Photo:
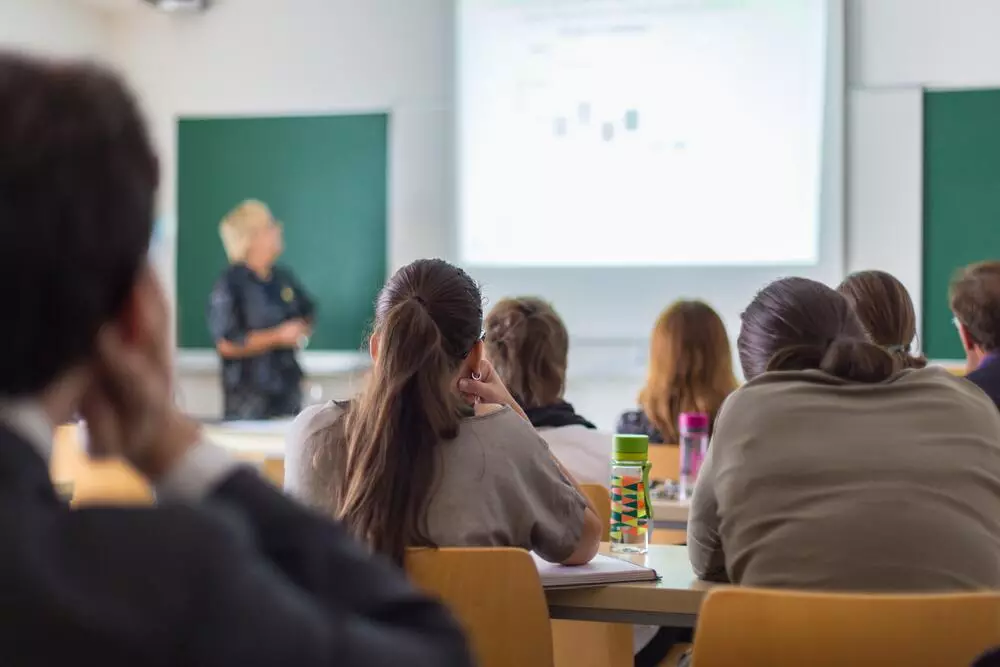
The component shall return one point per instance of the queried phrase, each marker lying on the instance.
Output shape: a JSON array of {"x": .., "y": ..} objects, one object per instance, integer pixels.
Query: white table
[
  {"x": 254, "y": 440},
  {"x": 672, "y": 601}
]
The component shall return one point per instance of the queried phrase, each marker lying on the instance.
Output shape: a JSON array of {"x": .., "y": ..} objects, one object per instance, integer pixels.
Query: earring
[{"x": 477, "y": 376}]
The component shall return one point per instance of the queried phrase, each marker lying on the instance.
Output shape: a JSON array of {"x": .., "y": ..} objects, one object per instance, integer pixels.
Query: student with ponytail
[
  {"x": 836, "y": 468},
  {"x": 886, "y": 312},
  {"x": 435, "y": 452}
]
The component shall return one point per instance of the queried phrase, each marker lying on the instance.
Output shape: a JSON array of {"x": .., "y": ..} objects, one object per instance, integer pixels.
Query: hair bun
[{"x": 858, "y": 360}]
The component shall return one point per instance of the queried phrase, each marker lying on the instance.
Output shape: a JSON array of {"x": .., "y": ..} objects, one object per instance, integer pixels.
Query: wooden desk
[
  {"x": 251, "y": 440},
  {"x": 260, "y": 443},
  {"x": 670, "y": 514},
  {"x": 672, "y": 601}
]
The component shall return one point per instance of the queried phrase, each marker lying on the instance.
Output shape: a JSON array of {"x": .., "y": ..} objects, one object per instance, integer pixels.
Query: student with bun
[
  {"x": 690, "y": 370},
  {"x": 435, "y": 451},
  {"x": 832, "y": 468},
  {"x": 528, "y": 345},
  {"x": 975, "y": 301},
  {"x": 884, "y": 307}
]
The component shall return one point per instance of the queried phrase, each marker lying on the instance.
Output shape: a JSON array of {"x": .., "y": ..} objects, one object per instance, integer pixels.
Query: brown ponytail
[
  {"x": 427, "y": 320},
  {"x": 885, "y": 309},
  {"x": 800, "y": 324}
]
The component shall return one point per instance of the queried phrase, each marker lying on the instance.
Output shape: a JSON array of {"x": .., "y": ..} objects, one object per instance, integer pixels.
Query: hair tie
[
  {"x": 419, "y": 299},
  {"x": 893, "y": 349}
]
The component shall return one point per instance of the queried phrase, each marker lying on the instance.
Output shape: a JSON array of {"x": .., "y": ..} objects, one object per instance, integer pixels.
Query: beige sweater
[{"x": 812, "y": 482}]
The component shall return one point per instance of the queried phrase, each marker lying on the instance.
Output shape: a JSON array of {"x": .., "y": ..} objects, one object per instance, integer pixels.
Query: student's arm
[
  {"x": 233, "y": 340},
  {"x": 547, "y": 509},
  {"x": 703, "y": 541},
  {"x": 590, "y": 535}
]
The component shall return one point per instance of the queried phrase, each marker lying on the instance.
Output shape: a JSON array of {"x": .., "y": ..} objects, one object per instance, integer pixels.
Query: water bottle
[
  {"x": 630, "y": 510},
  {"x": 693, "y": 429}
]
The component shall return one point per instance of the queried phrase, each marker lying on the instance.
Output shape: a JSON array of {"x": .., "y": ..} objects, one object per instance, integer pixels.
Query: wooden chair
[
  {"x": 88, "y": 481},
  {"x": 110, "y": 482},
  {"x": 496, "y": 596},
  {"x": 765, "y": 628},
  {"x": 587, "y": 644},
  {"x": 665, "y": 462}
]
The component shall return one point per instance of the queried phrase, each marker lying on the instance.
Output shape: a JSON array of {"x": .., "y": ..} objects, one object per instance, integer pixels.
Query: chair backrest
[
  {"x": 767, "y": 628},
  {"x": 665, "y": 462},
  {"x": 496, "y": 596},
  {"x": 601, "y": 499}
]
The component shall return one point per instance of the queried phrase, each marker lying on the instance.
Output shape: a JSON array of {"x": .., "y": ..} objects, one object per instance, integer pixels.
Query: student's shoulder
[
  {"x": 965, "y": 393},
  {"x": 635, "y": 422},
  {"x": 504, "y": 427},
  {"x": 315, "y": 418}
]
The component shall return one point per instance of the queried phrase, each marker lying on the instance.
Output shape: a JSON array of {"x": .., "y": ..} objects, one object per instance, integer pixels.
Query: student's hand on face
[
  {"x": 129, "y": 409},
  {"x": 488, "y": 388}
]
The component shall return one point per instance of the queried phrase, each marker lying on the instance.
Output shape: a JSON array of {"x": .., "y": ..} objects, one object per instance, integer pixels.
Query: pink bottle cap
[{"x": 693, "y": 422}]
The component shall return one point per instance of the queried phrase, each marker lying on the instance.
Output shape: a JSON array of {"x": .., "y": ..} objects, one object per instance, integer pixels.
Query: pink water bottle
[{"x": 693, "y": 429}]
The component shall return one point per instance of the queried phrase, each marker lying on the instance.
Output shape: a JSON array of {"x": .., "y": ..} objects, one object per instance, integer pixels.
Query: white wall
[
  {"x": 53, "y": 27},
  {"x": 896, "y": 49}
]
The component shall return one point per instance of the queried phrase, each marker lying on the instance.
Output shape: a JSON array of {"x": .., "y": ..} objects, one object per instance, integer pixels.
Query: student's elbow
[{"x": 590, "y": 540}]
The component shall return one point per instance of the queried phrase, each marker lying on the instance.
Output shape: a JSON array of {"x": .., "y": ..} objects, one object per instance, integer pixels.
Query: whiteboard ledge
[{"x": 313, "y": 363}]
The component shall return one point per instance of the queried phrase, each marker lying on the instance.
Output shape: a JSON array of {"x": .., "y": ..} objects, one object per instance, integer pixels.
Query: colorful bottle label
[{"x": 629, "y": 512}]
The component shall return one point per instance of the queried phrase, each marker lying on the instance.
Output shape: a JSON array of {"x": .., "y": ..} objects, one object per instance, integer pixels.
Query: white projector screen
[{"x": 641, "y": 133}]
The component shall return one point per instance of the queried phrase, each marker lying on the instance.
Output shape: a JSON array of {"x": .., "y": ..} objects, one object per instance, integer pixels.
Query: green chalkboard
[
  {"x": 961, "y": 201},
  {"x": 324, "y": 177}
]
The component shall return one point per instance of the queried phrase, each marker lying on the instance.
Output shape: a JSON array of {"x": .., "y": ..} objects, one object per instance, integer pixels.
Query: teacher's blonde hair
[{"x": 239, "y": 226}]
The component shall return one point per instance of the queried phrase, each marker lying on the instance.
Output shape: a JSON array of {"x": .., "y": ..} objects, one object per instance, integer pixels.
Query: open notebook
[{"x": 602, "y": 570}]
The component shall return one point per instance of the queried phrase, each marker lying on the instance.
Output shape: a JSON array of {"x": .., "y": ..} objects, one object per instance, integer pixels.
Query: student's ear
[
  {"x": 373, "y": 346},
  {"x": 145, "y": 317},
  {"x": 966, "y": 339}
]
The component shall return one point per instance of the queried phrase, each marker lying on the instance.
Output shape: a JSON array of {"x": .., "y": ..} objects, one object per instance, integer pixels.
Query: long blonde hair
[{"x": 690, "y": 366}]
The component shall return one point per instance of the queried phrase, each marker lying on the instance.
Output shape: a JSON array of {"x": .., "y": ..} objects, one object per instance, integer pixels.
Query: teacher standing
[{"x": 259, "y": 316}]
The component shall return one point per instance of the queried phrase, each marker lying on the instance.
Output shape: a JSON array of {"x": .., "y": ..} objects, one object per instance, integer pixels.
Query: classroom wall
[
  {"x": 54, "y": 27},
  {"x": 330, "y": 55},
  {"x": 896, "y": 49}
]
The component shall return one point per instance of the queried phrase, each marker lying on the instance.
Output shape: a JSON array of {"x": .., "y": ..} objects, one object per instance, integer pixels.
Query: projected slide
[{"x": 640, "y": 132}]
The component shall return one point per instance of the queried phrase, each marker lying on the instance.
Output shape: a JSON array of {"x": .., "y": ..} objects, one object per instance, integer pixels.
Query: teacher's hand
[{"x": 291, "y": 332}]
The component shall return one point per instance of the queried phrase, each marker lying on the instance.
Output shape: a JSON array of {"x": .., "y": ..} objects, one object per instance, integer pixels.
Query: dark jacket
[
  {"x": 987, "y": 378},
  {"x": 635, "y": 422},
  {"x": 246, "y": 578},
  {"x": 266, "y": 385}
]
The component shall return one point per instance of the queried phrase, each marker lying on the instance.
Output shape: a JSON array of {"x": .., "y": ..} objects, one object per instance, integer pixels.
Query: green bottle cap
[{"x": 631, "y": 447}]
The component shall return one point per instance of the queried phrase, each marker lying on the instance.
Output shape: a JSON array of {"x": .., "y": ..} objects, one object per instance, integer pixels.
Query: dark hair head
[
  {"x": 690, "y": 366},
  {"x": 800, "y": 324},
  {"x": 884, "y": 307},
  {"x": 428, "y": 318},
  {"x": 528, "y": 345},
  {"x": 974, "y": 297},
  {"x": 77, "y": 184}
]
